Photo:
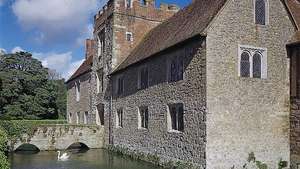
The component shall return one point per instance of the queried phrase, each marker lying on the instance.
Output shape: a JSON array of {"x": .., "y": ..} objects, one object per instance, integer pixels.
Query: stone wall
[
  {"x": 158, "y": 139},
  {"x": 247, "y": 114},
  {"x": 60, "y": 137},
  {"x": 115, "y": 20},
  {"x": 83, "y": 105},
  {"x": 295, "y": 132}
]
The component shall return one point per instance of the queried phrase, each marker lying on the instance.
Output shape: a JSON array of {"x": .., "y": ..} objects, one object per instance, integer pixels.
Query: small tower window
[
  {"x": 129, "y": 36},
  {"x": 260, "y": 12}
]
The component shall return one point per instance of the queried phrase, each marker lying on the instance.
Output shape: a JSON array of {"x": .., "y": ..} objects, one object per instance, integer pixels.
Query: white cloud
[
  {"x": 61, "y": 62},
  {"x": 17, "y": 49},
  {"x": 55, "y": 18},
  {"x": 85, "y": 34},
  {"x": 2, "y": 51}
]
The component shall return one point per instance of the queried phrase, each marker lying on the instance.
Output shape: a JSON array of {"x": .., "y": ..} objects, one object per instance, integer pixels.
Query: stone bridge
[{"x": 61, "y": 137}]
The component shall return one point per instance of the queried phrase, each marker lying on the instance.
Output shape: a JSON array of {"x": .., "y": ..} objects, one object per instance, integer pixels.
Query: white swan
[{"x": 63, "y": 157}]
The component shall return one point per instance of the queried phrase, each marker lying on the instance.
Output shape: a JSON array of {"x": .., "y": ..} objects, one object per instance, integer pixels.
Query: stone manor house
[{"x": 207, "y": 84}]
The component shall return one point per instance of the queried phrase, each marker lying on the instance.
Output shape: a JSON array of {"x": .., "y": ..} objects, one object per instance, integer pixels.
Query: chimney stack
[{"x": 89, "y": 48}]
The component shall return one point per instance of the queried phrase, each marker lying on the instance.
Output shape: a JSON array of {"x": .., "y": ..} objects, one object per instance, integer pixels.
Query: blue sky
[{"x": 52, "y": 30}]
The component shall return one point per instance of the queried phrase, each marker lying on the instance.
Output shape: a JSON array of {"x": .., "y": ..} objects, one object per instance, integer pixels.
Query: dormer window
[
  {"x": 261, "y": 12},
  {"x": 128, "y": 3}
]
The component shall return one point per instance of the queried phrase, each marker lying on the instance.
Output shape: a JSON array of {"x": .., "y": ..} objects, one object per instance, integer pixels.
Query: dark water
[{"x": 91, "y": 159}]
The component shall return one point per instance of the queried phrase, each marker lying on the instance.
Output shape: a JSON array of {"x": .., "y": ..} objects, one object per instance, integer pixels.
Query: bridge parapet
[{"x": 60, "y": 137}]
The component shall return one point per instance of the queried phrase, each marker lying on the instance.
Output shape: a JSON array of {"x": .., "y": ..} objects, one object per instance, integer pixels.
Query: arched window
[
  {"x": 260, "y": 12},
  {"x": 257, "y": 65},
  {"x": 245, "y": 64}
]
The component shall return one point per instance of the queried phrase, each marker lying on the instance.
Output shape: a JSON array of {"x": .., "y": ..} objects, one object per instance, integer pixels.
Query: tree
[{"x": 26, "y": 92}]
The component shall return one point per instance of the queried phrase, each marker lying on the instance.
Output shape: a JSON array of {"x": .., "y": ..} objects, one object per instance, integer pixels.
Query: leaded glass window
[
  {"x": 257, "y": 65},
  {"x": 260, "y": 12},
  {"x": 245, "y": 64}
]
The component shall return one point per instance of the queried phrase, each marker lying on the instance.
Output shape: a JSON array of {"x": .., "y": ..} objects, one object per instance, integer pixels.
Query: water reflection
[{"x": 83, "y": 159}]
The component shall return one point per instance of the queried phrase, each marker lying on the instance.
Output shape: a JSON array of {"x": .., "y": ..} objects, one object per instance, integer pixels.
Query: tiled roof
[
  {"x": 294, "y": 7},
  {"x": 85, "y": 67},
  {"x": 185, "y": 24}
]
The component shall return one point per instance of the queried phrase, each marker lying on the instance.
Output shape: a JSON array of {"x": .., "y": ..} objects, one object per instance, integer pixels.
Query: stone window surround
[
  {"x": 267, "y": 11},
  {"x": 169, "y": 120},
  {"x": 70, "y": 117},
  {"x": 120, "y": 120},
  {"x": 143, "y": 2},
  {"x": 101, "y": 42},
  {"x": 131, "y": 36},
  {"x": 77, "y": 90},
  {"x": 77, "y": 117},
  {"x": 140, "y": 125},
  {"x": 252, "y": 50},
  {"x": 99, "y": 80},
  {"x": 126, "y": 2},
  {"x": 85, "y": 117}
]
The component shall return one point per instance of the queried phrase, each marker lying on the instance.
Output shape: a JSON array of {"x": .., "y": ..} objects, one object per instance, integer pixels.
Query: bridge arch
[
  {"x": 78, "y": 145},
  {"x": 27, "y": 147}
]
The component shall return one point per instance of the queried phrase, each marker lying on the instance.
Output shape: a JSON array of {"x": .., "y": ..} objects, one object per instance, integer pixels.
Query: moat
[{"x": 89, "y": 159}]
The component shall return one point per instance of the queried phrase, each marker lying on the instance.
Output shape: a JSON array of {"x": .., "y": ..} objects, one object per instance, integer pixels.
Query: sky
[{"x": 54, "y": 31}]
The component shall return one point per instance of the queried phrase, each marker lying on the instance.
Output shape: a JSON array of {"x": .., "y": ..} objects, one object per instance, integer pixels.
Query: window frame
[
  {"x": 252, "y": 50},
  {"x": 267, "y": 18},
  {"x": 78, "y": 118},
  {"x": 85, "y": 117},
  {"x": 120, "y": 120},
  {"x": 143, "y": 2},
  {"x": 126, "y": 4},
  {"x": 99, "y": 80},
  {"x": 140, "y": 72},
  {"x": 177, "y": 129},
  {"x": 101, "y": 43},
  {"x": 77, "y": 90},
  {"x": 141, "y": 111},
  {"x": 131, "y": 36},
  {"x": 179, "y": 60},
  {"x": 118, "y": 92}
]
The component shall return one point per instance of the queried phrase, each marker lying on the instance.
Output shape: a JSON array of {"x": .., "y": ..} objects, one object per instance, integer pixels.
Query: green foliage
[
  {"x": 282, "y": 164},
  {"x": 15, "y": 128},
  {"x": 4, "y": 164},
  {"x": 3, "y": 145},
  {"x": 26, "y": 92},
  {"x": 261, "y": 165}
]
